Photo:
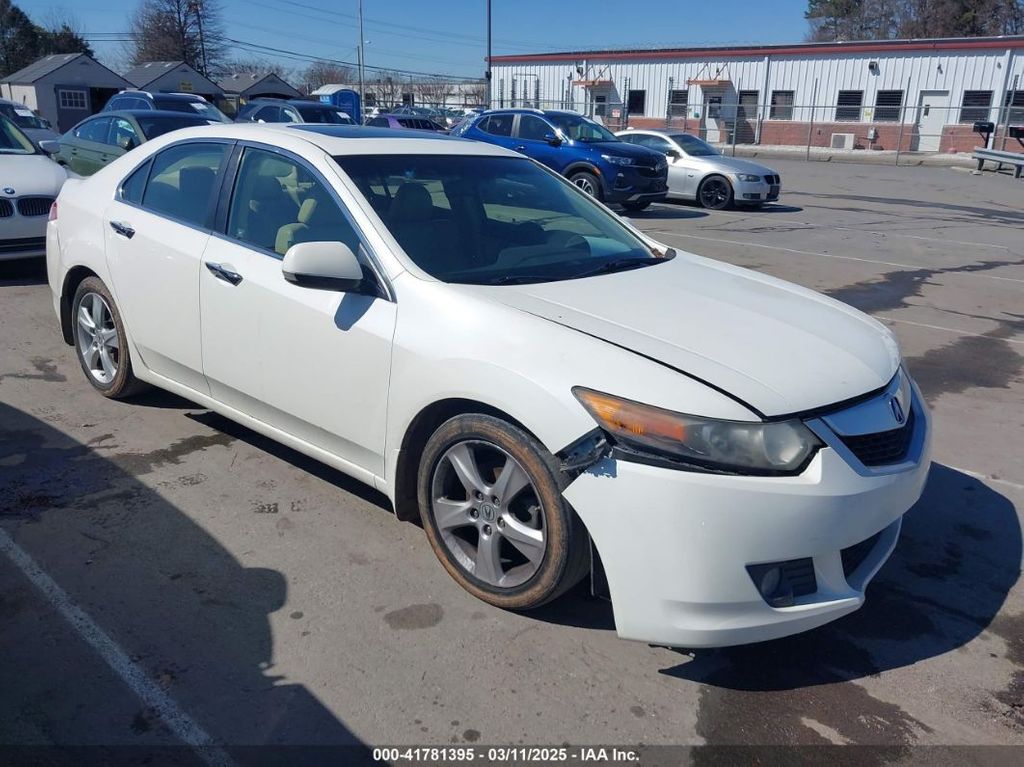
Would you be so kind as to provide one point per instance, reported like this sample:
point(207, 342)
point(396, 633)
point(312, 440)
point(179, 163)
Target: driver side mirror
point(552, 139)
point(50, 146)
point(323, 265)
point(673, 154)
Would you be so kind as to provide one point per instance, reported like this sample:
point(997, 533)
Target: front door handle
point(122, 229)
point(224, 272)
point(521, 148)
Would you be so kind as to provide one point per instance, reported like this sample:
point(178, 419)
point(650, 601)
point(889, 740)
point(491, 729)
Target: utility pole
point(488, 74)
point(362, 55)
point(196, 7)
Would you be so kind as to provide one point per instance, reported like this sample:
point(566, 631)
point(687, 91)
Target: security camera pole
point(361, 56)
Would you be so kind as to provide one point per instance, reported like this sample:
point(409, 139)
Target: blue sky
point(447, 36)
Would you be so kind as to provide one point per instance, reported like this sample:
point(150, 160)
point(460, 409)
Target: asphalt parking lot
point(268, 599)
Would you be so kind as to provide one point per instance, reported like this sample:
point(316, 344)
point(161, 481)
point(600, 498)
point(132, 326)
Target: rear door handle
point(521, 148)
point(224, 272)
point(122, 229)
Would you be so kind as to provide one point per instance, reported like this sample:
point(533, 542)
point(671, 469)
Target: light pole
point(362, 55)
point(488, 74)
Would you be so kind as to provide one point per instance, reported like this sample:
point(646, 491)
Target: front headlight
point(743, 447)
point(748, 177)
point(615, 160)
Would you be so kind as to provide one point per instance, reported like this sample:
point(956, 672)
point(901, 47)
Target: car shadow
point(23, 272)
point(189, 615)
point(958, 557)
point(284, 453)
point(665, 210)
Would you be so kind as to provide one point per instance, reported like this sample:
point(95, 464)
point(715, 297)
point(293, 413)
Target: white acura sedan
point(550, 391)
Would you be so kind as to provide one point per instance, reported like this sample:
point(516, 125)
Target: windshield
point(693, 146)
point(493, 220)
point(24, 118)
point(12, 140)
point(324, 115)
point(159, 125)
point(579, 128)
point(204, 108)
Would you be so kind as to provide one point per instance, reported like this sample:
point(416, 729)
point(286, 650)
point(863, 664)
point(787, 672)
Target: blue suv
point(583, 151)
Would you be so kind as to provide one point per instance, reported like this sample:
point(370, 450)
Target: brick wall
point(955, 138)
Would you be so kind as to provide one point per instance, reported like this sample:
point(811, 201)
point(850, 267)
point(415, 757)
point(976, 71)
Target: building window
point(72, 99)
point(848, 106)
point(747, 107)
point(888, 106)
point(1015, 112)
point(975, 106)
point(637, 102)
point(782, 106)
point(677, 102)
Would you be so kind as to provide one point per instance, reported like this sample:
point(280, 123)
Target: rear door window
point(182, 181)
point(94, 130)
point(497, 125)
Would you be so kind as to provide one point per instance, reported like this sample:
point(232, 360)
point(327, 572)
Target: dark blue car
point(583, 151)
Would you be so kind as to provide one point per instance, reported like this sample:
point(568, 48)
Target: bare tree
point(178, 30)
point(254, 66)
point(387, 88)
point(434, 90)
point(475, 94)
point(321, 73)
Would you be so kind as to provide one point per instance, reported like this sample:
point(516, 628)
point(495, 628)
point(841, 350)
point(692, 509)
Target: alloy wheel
point(488, 513)
point(715, 193)
point(98, 344)
point(585, 184)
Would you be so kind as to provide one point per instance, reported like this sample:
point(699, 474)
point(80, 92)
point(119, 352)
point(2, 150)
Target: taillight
point(53, 212)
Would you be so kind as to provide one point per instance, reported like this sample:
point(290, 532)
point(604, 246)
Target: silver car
point(698, 171)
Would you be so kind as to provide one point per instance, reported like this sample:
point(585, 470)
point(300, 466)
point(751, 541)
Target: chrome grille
point(883, 447)
point(34, 206)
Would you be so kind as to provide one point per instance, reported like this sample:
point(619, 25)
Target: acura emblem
point(8, 190)
point(897, 410)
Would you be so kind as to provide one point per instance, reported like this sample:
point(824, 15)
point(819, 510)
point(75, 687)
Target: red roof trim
point(774, 50)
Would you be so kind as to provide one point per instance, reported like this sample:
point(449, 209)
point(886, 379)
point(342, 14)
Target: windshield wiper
point(619, 265)
point(520, 279)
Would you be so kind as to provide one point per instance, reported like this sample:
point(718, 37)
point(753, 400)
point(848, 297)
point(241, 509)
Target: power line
point(124, 37)
point(475, 39)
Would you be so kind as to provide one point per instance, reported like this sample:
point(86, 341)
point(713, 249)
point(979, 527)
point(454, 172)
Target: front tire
point(490, 498)
point(587, 182)
point(715, 193)
point(100, 341)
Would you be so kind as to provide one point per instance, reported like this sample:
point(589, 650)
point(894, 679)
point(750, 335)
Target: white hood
point(30, 175)
point(777, 347)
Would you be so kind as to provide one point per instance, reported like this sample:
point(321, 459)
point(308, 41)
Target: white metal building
point(919, 94)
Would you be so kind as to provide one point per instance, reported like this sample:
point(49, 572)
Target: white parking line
point(986, 478)
point(177, 721)
point(661, 232)
point(860, 230)
point(945, 329)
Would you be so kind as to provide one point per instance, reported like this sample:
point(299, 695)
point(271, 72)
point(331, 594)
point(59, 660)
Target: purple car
point(404, 121)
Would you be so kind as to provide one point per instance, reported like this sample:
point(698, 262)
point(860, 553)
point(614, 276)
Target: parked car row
point(632, 168)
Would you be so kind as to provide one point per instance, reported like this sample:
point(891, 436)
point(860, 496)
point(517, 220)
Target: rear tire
point(516, 552)
point(587, 182)
point(101, 343)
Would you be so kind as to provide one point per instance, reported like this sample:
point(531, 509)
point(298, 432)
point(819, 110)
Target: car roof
point(190, 97)
point(160, 114)
point(348, 139)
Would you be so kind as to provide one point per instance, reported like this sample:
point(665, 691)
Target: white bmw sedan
point(29, 183)
point(548, 390)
